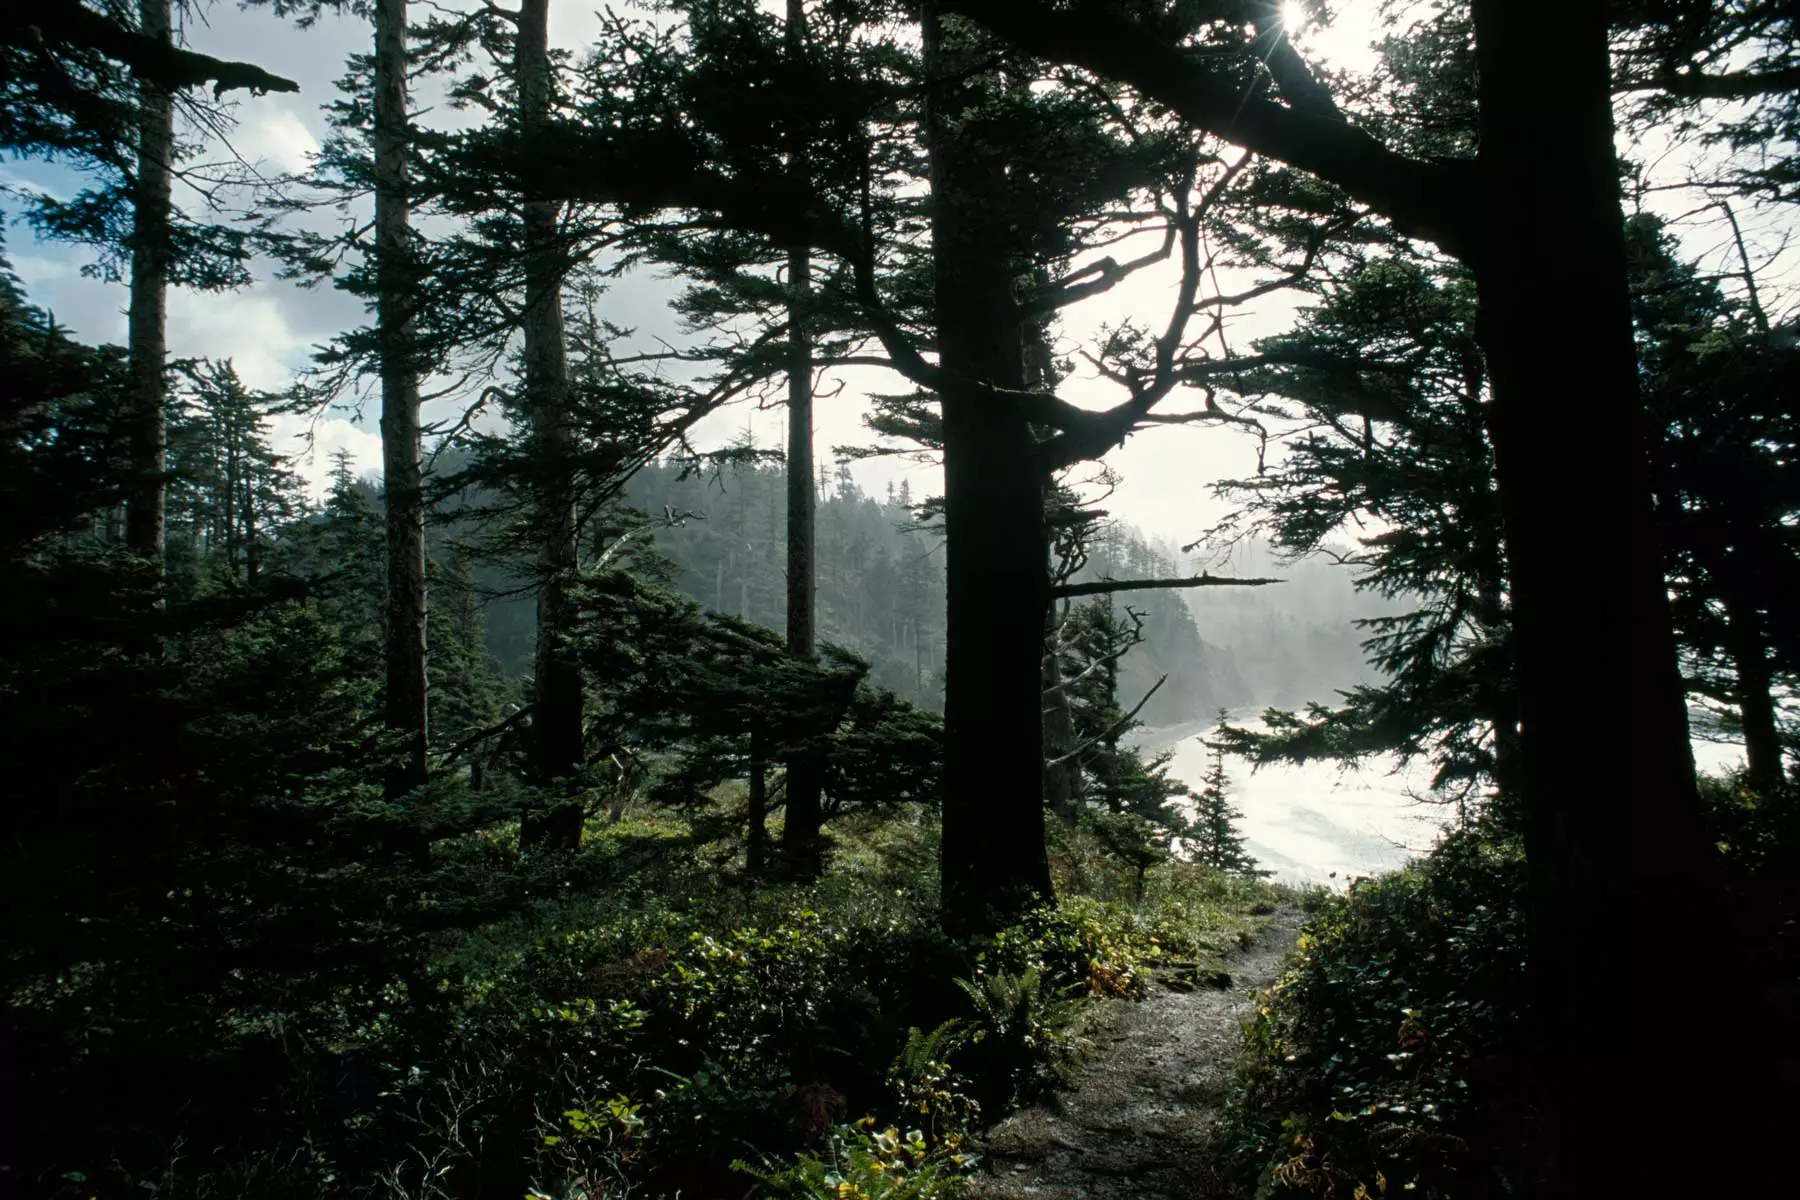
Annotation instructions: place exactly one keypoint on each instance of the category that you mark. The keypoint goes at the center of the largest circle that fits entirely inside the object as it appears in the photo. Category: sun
(1293, 15)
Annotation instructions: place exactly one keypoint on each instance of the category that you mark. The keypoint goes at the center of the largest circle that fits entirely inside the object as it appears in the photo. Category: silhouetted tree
(396, 295)
(1544, 175)
(800, 833)
(556, 720)
(1387, 378)
(151, 200)
(228, 491)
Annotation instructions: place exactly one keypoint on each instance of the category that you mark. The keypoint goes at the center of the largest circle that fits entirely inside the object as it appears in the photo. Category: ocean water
(1320, 823)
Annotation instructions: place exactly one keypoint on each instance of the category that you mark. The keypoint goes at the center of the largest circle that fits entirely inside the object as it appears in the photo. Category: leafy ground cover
(1386, 1060)
(692, 1030)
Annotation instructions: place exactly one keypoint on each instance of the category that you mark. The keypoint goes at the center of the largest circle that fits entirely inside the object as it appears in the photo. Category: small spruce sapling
(1214, 840)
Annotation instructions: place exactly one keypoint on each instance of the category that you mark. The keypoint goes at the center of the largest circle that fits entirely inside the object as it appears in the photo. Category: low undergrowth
(1382, 1062)
(1388, 1059)
(691, 1031)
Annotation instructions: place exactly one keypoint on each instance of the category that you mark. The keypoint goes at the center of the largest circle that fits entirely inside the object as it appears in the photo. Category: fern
(926, 1083)
(1020, 1033)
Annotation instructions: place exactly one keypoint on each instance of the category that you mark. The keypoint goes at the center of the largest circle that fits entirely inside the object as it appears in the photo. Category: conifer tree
(1713, 375)
(470, 692)
(891, 614)
(800, 833)
(1212, 838)
(221, 865)
(228, 490)
(151, 200)
(341, 549)
(1544, 173)
(1113, 777)
(994, 531)
(404, 637)
(374, 148)
(97, 91)
(681, 99)
(556, 720)
(1387, 375)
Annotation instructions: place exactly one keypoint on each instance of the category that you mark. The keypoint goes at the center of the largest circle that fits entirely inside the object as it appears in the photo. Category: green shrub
(1101, 947)
(1020, 1046)
(642, 1035)
(1111, 948)
(1381, 1058)
(719, 1033)
(931, 1090)
(858, 1162)
(1760, 832)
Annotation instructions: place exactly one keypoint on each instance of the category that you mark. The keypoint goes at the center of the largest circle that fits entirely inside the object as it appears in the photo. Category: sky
(270, 328)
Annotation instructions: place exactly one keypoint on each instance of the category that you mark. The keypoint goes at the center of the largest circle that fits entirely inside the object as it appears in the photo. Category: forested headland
(588, 803)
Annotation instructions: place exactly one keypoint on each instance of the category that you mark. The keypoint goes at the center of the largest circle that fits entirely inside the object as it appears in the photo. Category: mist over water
(1284, 645)
(1322, 823)
(1316, 823)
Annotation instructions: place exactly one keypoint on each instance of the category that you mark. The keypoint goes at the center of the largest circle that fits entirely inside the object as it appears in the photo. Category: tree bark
(1500, 702)
(801, 841)
(1763, 764)
(1755, 673)
(228, 535)
(149, 56)
(146, 336)
(801, 834)
(993, 856)
(557, 721)
(1612, 819)
(1109, 672)
(252, 555)
(756, 836)
(1613, 824)
(404, 613)
(1061, 777)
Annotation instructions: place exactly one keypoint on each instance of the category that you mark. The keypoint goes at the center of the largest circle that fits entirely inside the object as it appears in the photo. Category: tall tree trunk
(146, 337)
(993, 857)
(1060, 778)
(756, 836)
(252, 559)
(1109, 672)
(1755, 678)
(801, 845)
(1503, 715)
(1612, 820)
(557, 713)
(404, 615)
(230, 540)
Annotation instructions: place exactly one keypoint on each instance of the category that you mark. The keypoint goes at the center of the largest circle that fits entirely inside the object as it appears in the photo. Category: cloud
(312, 443)
(270, 132)
(91, 309)
(250, 328)
(269, 329)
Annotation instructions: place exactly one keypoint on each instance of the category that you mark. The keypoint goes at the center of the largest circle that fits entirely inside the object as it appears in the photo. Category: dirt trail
(1138, 1122)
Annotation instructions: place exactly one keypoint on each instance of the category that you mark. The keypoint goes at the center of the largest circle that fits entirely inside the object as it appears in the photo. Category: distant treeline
(881, 594)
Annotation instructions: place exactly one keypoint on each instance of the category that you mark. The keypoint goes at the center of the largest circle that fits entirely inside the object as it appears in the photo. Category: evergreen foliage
(1383, 1059)
(229, 493)
(309, 887)
(1389, 377)
(879, 573)
(1213, 839)
(1139, 813)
